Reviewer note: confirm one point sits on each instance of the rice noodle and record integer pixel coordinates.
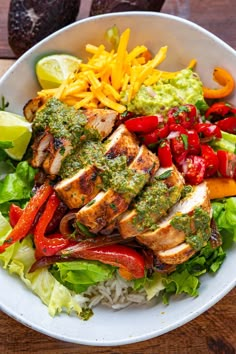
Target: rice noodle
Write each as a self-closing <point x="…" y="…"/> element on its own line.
<point x="115" y="293"/>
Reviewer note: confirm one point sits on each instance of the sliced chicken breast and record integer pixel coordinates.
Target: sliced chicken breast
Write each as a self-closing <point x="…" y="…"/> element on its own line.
<point x="79" y="189"/>
<point x="58" y="150"/>
<point x="102" y="120"/>
<point x="31" y="107"/>
<point x="40" y="148"/>
<point x="130" y="224"/>
<point x="107" y="206"/>
<point x="122" y="142"/>
<point x="167" y="236"/>
<point x="176" y="255"/>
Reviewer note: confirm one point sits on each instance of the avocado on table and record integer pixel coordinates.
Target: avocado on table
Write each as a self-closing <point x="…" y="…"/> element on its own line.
<point x="29" y="21"/>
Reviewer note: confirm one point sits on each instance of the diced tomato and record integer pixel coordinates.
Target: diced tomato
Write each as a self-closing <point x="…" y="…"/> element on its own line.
<point x="185" y="115"/>
<point x="178" y="145"/>
<point x="145" y="124"/>
<point x="153" y="137"/>
<point x="219" y="110"/>
<point x="227" y="125"/>
<point x="211" y="160"/>
<point x="177" y="128"/>
<point x="227" y="163"/>
<point x="193" y="142"/>
<point x="194" y="169"/>
<point x="208" y="130"/>
<point x="164" y="154"/>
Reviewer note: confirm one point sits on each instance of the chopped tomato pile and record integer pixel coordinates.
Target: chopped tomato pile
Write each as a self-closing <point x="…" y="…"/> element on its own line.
<point x="185" y="138"/>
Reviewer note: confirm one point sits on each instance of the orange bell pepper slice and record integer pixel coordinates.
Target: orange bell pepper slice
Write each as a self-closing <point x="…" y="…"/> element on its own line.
<point x="223" y="78"/>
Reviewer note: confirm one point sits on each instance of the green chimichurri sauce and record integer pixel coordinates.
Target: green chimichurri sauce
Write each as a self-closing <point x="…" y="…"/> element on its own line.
<point x="64" y="122"/>
<point x="120" y="178"/>
<point x="153" y="203"/>
<point x="115" y="173"/>
<point x="196" y="227"/>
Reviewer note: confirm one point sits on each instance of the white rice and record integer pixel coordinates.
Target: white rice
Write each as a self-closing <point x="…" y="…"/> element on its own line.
<point x="116" y="293"/>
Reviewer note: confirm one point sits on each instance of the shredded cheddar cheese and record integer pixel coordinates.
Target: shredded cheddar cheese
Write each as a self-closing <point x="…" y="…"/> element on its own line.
<point x="110" y="75"/>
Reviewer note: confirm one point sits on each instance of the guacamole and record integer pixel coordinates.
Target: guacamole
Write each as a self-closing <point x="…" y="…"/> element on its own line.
<point x="186" y="87"/>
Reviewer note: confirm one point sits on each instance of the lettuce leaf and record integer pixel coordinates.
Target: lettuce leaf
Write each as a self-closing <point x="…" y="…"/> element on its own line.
<point x="185" y="279"/>
<point x="224" y="213"/>
<point x="79" y="275"/>
<point x="19" y="257"/>
<point x="18" y="184"/>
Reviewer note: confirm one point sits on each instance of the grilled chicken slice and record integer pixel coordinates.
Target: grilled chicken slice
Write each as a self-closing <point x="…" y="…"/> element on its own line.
<point x="58" y="150"/>
<point x="102" y="120"/>
<point x="166" y="236"/>
<point x="130" y="224"/>
<point x="107" y="206"/>
<point x="31" y="107"/>
<point x="79" y="189"/>
<point x="40" y="148"/>
<point x="176" y="255"/>
<point x="122" y="142"/>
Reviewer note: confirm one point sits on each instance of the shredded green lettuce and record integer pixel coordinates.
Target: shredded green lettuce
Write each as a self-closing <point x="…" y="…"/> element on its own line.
<point x="19" y="257"/>
<point x="79" y="275"/>
<point x="17" y="185"/>
<point x="224" y="213"/>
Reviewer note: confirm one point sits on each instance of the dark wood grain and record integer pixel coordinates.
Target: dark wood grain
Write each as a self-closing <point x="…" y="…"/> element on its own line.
<point x="212" y="332"/>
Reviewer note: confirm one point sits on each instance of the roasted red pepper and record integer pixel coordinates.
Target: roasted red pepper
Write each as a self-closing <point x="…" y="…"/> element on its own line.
<point x="227" y="163"/>
<point x="164" y="154"/>
<point x="26" y="220"/>
<point x="15" y="213"/>
<point x="145" y="124"/>
<point x="220" y="110"/>
<point x="131" y="264"/>
<point x="50" y="245"/>
<point x="211" y="160"/>
<point x="208" y="130"/>
<point x="227" y="125"/>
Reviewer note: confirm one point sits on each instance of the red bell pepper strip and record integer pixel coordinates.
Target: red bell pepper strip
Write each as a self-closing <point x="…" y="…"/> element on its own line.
<point x="164" y="154"/>
<point x="131" y="264"/>
<point x="50" y="245"/>
<point x="153" y="137"/>
<point x="26" y="220"/>
<point x="208" y="130"/>
<point x="145" y="124"/>
<point x="211" y="160"/>
<point x="227" y="163"/>
<point x="227" y="125"/>
<point x="15" y="213"/>
<point x="194" y="169"/>
<point x="220" y="110"/>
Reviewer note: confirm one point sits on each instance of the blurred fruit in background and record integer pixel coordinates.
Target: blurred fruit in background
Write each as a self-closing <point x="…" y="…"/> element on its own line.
<point x="107" y="6"/>
<point x="29" y="21"/>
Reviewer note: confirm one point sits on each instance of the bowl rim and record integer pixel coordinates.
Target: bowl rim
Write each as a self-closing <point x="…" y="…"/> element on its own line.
<point x="205" y="306"/>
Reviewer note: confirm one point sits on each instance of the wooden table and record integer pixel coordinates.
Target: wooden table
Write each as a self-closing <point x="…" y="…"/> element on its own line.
<point x="212" y="332"/>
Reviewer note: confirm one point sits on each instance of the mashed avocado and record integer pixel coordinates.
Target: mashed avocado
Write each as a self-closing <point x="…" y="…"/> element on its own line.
<point x="186" y="87"/>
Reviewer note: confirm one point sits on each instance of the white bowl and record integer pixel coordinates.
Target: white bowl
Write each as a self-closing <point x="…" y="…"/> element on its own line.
<point x="136" y="323"/>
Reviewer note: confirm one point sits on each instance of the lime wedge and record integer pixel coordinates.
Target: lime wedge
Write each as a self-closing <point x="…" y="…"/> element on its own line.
<point x="17" y="130"/>
<point x="52" y="70"/>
